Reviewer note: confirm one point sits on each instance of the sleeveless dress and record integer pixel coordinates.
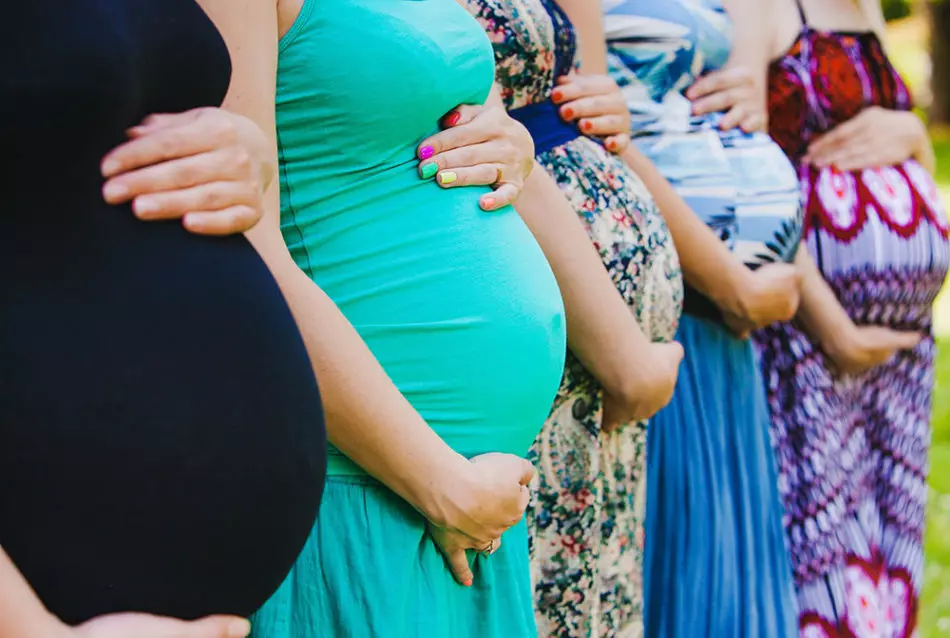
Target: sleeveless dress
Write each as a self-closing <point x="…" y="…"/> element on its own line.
<point x="855" y="488"/>
<point x="458" y="305"/>
<point x="716" y="559"/>
<point x="586" y="515"/>
<point x="158" y="409"/>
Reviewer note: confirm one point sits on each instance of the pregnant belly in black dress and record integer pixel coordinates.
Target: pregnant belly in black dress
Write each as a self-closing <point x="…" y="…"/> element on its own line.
<point x="161" y="435"/>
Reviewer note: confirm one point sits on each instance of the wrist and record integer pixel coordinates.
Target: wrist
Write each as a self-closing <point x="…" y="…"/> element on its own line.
<point x="730" y="296"/>
<point x="444" y="495"/>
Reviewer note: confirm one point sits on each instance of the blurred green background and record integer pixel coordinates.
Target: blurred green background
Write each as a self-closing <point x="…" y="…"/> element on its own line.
<point x="908" y="37"/>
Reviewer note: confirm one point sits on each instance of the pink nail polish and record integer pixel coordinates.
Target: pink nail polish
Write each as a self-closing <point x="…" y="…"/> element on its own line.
<point x="426" y="152"/>
<point x="488" y="202"/>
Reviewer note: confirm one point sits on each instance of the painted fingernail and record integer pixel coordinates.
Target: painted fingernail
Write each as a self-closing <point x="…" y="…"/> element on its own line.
<point x="556" y="96"/>
<point x="112" y="191"/>
<point x="426" y="152"/>
<point x="239" y="628"/>
<point x="447" y="177"/>
<point x="611" y="144"/>
<point x="567" y="112"/>
<point x="428" y="170"/>
<point x="143" y="206"/>
<point x="587" y="125"/>
<point x="488" y="202"/>
<point x="453" y="118"/>
<point x="467" y="582"/>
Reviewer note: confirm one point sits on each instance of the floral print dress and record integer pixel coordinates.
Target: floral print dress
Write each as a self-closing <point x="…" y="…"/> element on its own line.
<point x="586" y="515"/>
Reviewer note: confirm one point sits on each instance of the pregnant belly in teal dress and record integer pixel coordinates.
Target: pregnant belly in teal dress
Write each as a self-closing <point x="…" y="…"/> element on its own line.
<point x="458" y="305"/>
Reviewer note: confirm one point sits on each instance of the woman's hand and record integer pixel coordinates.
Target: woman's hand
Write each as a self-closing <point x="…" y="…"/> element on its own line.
<point x="597" y="105"/>
<point x="206" y="167"/>
<point x="146" y="626"/>
<point x="861" y="348"/>
<point x="480" y="505"/>
<point x="649" y="392"/>
<point x="873" y="138"/>
<point x="479" y="146"/>
<point x="763" y="297"/>
<point x="733" y="92"/>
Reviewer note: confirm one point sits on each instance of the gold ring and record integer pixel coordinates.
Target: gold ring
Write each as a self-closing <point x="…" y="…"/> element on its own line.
<point x="488" y="551"/>
<point x="498" y="175"/>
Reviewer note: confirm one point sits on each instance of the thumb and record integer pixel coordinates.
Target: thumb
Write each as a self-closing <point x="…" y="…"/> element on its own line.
<point x="904" y="340"/>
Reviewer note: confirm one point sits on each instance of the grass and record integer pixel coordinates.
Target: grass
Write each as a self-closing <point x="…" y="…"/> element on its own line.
<point x="907" y="48"/>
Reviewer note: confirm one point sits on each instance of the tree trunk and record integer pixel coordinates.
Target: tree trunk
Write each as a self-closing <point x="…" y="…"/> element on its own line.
<point x="940" y="61"/>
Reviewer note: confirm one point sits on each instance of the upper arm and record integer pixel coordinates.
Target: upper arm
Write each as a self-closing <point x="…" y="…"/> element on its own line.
<point x="588" y="19"/>
<point x="250" y="29"/>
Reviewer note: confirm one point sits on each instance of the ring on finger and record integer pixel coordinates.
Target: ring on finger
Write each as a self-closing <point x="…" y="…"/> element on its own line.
<point x="488" y="551"/>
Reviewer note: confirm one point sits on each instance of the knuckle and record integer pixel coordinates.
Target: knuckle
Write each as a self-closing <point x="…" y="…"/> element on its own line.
<point x="241" y="160"/>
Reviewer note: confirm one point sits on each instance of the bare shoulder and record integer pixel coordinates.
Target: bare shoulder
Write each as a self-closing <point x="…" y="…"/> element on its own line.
<point x="783" y="25"/>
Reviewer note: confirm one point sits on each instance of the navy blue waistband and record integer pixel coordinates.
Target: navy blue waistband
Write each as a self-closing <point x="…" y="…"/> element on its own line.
<point x="545" y="125"/>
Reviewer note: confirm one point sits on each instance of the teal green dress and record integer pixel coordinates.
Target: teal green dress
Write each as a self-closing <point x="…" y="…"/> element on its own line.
<point x="458" y="305"/>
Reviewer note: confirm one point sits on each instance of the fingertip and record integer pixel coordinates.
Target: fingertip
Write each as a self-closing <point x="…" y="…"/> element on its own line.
<point x="239" y="628"/>
<point x="488" y="203"/>
<point x="452" y="119"/>
<point x="109" y="167"/>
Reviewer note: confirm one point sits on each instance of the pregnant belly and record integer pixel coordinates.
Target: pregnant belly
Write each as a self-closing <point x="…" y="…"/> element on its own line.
<point x="459" y="306"/>
<point x="161" y="437"/>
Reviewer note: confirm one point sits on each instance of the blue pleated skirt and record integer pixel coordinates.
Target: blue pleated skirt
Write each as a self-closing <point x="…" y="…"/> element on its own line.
<point x="370" y="570"/>
<point x="716" y="562"/>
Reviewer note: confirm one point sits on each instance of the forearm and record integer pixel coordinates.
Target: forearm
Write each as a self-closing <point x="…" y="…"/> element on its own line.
<point x="602" y="331"/>
<point x="820" y="313"/>
<point x="750" y="46"/>
<point x="707" y="264"/>
<point x="367" y="417"/>
<point x="22" y="615"/>
<point x="588" y="19"/>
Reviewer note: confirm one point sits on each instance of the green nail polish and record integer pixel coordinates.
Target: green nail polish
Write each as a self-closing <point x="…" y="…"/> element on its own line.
<point x="429" y="170"/>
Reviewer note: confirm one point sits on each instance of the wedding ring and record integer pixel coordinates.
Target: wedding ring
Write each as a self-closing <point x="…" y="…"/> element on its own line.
<point x="488" y="551"/>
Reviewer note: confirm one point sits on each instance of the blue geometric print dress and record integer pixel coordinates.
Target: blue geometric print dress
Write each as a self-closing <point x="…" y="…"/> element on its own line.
<point x="716" y="562"/>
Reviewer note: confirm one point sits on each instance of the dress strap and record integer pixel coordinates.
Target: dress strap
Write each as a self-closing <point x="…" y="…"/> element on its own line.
<point x="801" y="13"/>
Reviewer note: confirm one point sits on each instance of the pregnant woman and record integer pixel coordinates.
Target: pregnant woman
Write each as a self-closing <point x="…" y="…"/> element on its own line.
<point x="445" y="337"/>
<point x="878" y="234"/>
<point x="158" y="410"/>
<point x="716" y="460"/>
<point x="586" y="516"/>
<point x="713" y="505"/>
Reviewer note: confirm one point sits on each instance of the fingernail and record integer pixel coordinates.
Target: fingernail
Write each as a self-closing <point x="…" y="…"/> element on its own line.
<point x="426" y="152"/>
<point x="428" y="170"/>
<point x="239" y="628"/>
<point x="611" y="144"/>
<point x="453" y="118"/>
<point x="488" y="202"/>
<point x="556" y="96"/>
<point x="587" y="125"/>
<point x="467" y="583"/>
<point x="447" y="177"/>
<point x="143" y="206"/>
<point x="109" y="167"/>
<point x="567" y="112"/>
<point x="112" y="191"/>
